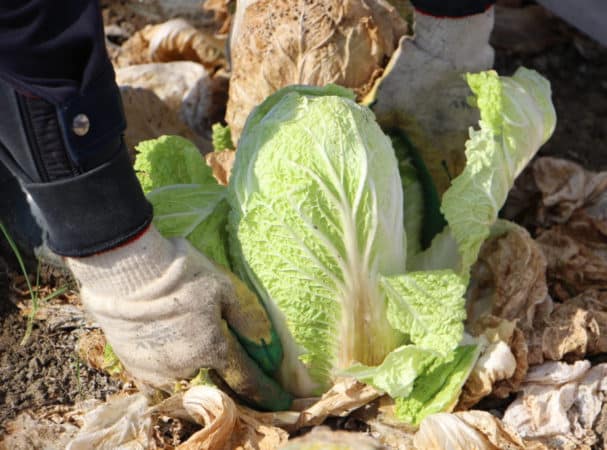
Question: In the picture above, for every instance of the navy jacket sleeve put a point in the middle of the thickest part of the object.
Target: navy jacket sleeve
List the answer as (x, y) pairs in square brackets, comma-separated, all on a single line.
[(62, 125)]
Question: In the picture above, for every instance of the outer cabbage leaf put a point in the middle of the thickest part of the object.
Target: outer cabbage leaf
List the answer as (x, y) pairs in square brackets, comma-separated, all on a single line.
[(396, 375), (317, 216), (416, 306), (417, 302), (517, 117), (170, 160), (188, 202), (438, 387)]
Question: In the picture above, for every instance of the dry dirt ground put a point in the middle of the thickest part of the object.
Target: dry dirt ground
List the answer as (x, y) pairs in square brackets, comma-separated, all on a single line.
[(47, 370)]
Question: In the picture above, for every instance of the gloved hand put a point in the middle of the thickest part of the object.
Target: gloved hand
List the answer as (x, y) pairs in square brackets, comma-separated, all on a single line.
[(424, 91), (168, 311)]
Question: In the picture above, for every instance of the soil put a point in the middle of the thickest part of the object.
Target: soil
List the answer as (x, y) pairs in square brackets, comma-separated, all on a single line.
[(46, 370)]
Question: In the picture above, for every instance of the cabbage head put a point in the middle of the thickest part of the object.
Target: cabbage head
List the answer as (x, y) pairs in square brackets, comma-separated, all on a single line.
[(317, 216)]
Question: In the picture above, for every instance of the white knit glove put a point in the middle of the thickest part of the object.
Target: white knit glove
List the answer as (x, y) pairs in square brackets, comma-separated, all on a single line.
[(425, 94), (168, 311)]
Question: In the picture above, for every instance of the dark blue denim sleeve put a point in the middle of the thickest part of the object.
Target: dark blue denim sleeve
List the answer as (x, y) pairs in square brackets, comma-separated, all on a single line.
[(62, 124)]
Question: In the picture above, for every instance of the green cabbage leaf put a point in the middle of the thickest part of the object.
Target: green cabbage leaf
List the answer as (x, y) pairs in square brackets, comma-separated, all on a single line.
[(188, 202)]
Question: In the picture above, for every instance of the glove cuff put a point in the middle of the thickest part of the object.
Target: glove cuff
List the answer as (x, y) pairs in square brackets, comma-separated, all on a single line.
[(126, 269), (463, 42)]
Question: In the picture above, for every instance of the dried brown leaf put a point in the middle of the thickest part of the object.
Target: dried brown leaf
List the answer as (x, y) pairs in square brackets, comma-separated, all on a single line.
[(509, 280), (227, 426), (502, 365), (169, 98), (221, 10), (280, 43), (565, 187), (344, 397), (574, 329), (90, 349), (477, 430), (49, 427), (221, 163), (149, 117), (559, 404), (174, 40), (576, 253)]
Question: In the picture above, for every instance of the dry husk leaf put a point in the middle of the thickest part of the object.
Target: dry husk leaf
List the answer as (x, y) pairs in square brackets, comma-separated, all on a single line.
[(49, 427), (574, 329), (168, 98), (344, 397), (576, 247), (227, 426), (559, 404), (576, 253), (565, 187), (90, 349), (221, 163), (221, 10), (174, 40), (509, 280), (149, 117), (502, 365), (469, 430), (276, 43), (120, 423)]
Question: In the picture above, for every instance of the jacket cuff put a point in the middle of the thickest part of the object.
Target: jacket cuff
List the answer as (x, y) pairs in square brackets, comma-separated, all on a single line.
[(93, 212), (450, 8)]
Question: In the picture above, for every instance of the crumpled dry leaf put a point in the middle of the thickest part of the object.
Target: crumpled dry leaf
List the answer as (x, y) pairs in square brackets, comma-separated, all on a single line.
[(559, 404), (344, 397), (90, 349), (576, 253), (565, 186), (575, 328), (574, 205), (468, 430), (168, 98), (49, 427), (509, 280), (121, 423), (227, 426), (276, 43), (323, 438), (502, 365), (221, 10), (221, 163), (149, 117), (174, 40)]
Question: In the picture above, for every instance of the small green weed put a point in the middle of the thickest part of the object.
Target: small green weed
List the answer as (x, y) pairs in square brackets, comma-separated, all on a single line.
[(34, 292)]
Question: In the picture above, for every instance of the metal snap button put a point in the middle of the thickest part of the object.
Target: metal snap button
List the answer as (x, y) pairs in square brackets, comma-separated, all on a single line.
[(81, 124)]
